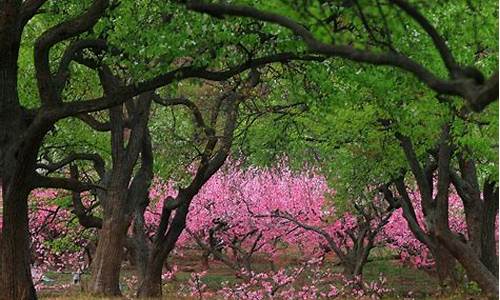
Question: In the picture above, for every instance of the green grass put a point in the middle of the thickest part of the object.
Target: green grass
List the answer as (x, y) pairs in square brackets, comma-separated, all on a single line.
[(402, 279)]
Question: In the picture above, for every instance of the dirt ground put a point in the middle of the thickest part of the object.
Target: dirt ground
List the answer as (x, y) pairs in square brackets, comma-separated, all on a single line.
[(407, 283)]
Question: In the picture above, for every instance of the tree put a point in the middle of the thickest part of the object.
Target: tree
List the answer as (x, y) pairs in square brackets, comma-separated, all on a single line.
[(24, 129), (218, 128), (466, 82), (401, 239), (274, 210), (481, 211), (233, 219), (395, 111)]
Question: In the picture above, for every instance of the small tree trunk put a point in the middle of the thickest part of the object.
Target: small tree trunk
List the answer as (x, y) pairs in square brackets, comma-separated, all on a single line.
[(205, 259), (108, 258), (359, 265), (349, 266), (151, 285)]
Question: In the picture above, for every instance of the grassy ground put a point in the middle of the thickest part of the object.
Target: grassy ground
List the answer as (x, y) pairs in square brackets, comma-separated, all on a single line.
[(402, 279)]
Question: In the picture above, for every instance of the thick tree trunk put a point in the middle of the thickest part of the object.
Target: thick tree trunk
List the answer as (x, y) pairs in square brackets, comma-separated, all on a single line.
[(15, 166), (474, 220), (445, 265), (474, 268), (122, 195), (138, 244), (150, 285), (489, 255), (478, 254), (15, 270), (106, 265)]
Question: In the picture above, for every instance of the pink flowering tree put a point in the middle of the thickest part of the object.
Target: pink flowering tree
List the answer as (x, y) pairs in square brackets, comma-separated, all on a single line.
[(231, 213), (242, 212)]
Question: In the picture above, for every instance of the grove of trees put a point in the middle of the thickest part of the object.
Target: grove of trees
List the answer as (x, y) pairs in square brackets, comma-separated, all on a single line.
[(137, 134)]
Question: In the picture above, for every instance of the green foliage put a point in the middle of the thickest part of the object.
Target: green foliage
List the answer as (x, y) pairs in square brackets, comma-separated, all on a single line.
[(63, 202), (328, 114), (342, 130), (62, 244)]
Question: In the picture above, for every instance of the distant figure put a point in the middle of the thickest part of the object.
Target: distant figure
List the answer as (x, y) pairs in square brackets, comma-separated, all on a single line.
[(77, 276)]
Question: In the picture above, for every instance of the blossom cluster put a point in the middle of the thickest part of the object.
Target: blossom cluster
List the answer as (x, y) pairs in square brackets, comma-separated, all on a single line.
[(309, 281)]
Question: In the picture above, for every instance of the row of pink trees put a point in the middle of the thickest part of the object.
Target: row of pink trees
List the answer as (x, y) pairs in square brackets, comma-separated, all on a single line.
[(243, 212)]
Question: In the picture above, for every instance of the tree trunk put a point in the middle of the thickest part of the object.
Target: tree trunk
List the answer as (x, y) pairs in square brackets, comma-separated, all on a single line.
[(106, 265), (471, 263), (352, 264), (15, 271), (151, 285), (445, 265), (16, 164), (474, 220), (348, 269), (489, 255), (138, 243), (205, 259)]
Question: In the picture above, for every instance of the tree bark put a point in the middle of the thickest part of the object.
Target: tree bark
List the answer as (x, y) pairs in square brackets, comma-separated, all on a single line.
[(107, 262), (445, 265), (474, 220), (481, 209), (15, 270), (471, 263), (489, 255), (16, 162), (151, 284), (122, 194)]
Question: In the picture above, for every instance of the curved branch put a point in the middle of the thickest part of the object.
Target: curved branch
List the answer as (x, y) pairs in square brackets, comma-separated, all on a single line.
[(409, 212), (487, 94), (40, 181), (61, 77), (416, 168), (56, 34), (324, 234), (344, 51), (95, 158), (94, 123), (198, 117), (126, 92), (29, 9), (86, 220), (477, 94), (437, 39)]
